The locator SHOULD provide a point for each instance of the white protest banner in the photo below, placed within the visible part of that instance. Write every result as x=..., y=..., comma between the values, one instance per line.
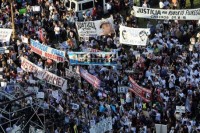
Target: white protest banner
x=5, y=35
x=42, y=74
x=95, y=28
x=48, y=52
x=122, y=89
x=180, y=109
x=152, y=13
x=102, y=126
x=133, y=36
x=70, y=74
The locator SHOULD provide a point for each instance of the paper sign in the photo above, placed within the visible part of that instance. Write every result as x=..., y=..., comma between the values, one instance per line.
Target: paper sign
x=180, y=109
x=40, y=95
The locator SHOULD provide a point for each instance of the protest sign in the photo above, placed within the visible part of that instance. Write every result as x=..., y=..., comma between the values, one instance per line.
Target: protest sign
x=152, y=13
x=70, y=74
x=36, y=8
x=5, y=35
x=144, y=93
x=122, y=89
x=40, y=95
x=42, y=74
x=93, y=58
x=95, y=28
x=48, y=52
x=134, y=36
x=102, y=126
x=22, y=11
x=93, y=80
x=24, y=39
x=180, y=109
x=160, y=128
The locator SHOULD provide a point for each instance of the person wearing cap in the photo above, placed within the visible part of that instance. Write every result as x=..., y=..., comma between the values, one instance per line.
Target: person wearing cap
x=106, y=28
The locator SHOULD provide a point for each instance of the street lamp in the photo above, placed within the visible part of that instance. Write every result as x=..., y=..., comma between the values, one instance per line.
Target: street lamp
x=12, y=16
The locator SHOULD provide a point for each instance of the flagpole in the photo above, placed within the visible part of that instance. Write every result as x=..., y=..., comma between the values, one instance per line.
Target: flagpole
x=12, y=18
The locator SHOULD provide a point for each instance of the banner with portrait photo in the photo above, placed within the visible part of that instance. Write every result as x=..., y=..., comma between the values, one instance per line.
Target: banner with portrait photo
x=95, y=28
x=93, y=80
x=168, y=14
x=48, y=52
x=5, y=35
x=93, y=58
x=134, y=36
x=143, y=93
x=42, y=74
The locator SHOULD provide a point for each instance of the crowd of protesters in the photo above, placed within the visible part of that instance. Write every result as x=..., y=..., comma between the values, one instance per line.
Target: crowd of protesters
x=168, y=66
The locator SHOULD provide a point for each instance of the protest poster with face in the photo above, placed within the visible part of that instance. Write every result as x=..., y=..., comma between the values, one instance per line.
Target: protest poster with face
x=134, y=36
x=102, y=27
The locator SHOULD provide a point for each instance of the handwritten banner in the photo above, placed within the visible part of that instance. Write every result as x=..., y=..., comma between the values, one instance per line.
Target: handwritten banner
x=5, y=35
x=93, y=80
x=95, y=28
x=152, y=13
x=93, y=58
x=42, y=74
x=48, y=52
x=144, y=93
x=134, y=36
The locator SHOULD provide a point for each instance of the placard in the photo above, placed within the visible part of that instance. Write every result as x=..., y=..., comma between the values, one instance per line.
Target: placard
x=134, y=36
x=122, y=89
x=40, y=95
x=102, y=126
x=180, y=109
x=169, y=14
x=5, y=35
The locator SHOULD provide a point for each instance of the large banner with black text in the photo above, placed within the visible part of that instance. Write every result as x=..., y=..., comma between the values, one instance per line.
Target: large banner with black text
x=42, y=74
x=153, y=13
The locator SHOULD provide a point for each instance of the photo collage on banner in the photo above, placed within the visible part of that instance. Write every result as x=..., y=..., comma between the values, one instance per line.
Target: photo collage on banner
x=134, y=36
x=152, y=13
x=48, y=52
x=102, y=27
x=42, y=74
x=143, y=93
x=93, y=58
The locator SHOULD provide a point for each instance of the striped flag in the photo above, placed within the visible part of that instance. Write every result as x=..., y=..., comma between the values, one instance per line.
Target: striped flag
x=93, y=80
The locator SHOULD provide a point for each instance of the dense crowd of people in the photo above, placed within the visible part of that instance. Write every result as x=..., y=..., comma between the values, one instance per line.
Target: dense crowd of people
x=168, y=66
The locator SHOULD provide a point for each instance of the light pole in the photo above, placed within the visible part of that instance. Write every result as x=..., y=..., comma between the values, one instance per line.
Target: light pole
x=12, y=16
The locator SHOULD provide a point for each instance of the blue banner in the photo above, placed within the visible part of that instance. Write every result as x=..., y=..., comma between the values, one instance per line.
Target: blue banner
x=93, y=58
